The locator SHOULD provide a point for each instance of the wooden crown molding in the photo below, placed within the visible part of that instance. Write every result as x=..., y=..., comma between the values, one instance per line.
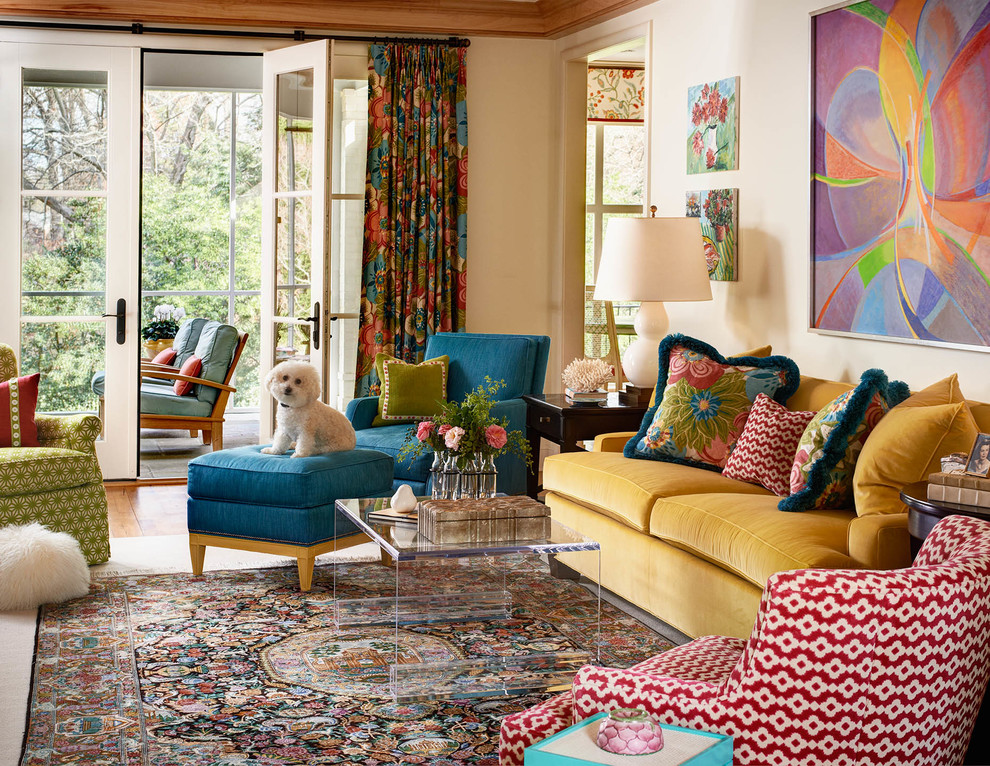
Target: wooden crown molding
x=542, y=18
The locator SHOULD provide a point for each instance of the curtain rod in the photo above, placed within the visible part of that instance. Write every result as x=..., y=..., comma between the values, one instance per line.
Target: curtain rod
x=297, y=34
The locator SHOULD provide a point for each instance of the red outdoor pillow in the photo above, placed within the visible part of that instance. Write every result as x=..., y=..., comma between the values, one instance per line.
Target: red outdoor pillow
x=18, y=400
x=165, y=356
x=192, y=368
x=765, y=451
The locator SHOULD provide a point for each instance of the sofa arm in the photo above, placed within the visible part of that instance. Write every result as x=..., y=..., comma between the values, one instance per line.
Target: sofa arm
x=613, y=442
x=880, y=541
x=361, y=412
x=75, y=432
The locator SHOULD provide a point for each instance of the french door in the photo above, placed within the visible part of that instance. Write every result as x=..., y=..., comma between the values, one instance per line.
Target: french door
x=69, y=212
x=313, y=164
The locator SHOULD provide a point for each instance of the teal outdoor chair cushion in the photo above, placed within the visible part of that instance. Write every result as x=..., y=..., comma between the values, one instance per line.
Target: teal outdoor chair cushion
x=162, y=400
x=216, y=348
x=186, y=339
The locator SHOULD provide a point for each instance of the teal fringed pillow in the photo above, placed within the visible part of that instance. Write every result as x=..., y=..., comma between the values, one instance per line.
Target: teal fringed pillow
x=703, y=400
x=822, y=474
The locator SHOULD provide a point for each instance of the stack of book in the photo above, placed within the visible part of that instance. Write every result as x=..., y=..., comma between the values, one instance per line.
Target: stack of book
x=392, y=516
x=586, y=397
x=959, y=487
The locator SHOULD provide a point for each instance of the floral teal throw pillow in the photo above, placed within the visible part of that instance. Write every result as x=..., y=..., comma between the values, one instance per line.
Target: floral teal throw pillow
x=704, y=400
x=822, y=474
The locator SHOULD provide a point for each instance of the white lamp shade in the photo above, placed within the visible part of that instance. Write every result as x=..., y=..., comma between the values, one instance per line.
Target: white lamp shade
x=653, y=259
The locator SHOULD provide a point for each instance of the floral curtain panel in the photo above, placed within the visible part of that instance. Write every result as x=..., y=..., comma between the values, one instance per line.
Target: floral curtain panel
x=415, y=234
x=615, y=94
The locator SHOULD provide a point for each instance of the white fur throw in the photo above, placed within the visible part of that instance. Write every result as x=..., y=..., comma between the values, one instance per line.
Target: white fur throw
x=38, y=566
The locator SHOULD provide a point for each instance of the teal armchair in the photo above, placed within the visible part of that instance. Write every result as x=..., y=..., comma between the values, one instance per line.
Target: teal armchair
x=219, y=346
x=519, y=360
x=58, y=484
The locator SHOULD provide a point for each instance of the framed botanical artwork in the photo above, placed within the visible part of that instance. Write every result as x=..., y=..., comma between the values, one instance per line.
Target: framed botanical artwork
x=978, y=463
x=713, y=126
x=718, y=210
x=900, y=200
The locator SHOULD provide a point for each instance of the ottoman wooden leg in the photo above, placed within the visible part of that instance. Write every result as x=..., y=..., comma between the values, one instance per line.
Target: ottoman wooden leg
x=197, y=553
x=305, y=565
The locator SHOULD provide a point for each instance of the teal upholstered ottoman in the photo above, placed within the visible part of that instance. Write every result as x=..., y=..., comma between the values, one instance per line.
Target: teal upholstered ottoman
x=243, y=499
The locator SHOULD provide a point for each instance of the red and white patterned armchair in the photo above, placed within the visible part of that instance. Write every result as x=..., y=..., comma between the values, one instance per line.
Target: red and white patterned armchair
x=843, y=667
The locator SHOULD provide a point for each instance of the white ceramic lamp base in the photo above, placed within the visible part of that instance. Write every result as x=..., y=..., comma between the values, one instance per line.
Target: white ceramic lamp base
x=639, y=362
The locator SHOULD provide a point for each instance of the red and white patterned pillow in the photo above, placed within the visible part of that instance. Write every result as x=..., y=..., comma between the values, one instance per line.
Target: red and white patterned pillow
x=765, y=451
x=18, y=400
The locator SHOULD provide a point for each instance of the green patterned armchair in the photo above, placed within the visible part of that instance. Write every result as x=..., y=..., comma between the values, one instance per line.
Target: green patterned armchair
x=58, y=484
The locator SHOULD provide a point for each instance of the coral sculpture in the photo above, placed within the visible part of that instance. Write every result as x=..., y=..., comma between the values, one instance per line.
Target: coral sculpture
x=587, y=374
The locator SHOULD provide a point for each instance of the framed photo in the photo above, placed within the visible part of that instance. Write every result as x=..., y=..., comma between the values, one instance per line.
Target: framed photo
x=979, y=457
x=899, y=251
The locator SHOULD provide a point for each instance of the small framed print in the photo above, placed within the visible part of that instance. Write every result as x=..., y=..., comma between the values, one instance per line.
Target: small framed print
x=979, y=457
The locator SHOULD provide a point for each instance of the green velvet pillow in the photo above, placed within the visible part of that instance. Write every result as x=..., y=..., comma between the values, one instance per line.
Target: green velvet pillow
x=410, y=392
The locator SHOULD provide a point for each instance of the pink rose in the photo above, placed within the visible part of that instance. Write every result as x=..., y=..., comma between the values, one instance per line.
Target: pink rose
x=424, y=429
x=495, y=436
x=453, y=437
x=442, y=430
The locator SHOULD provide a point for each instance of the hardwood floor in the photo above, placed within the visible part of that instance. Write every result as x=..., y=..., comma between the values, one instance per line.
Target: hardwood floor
x=142, y=510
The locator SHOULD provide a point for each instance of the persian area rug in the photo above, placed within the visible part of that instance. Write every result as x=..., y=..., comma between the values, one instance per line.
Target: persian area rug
x=242, y=669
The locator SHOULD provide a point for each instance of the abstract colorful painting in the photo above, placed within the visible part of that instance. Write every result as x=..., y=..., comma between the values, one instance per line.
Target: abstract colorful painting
x=713, y=126
x=901, y=163
x=718, y=210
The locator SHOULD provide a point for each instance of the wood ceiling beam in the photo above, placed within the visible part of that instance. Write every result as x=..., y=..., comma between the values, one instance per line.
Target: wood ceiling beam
x=542, y=18
x=566, y=16
x=440, y=17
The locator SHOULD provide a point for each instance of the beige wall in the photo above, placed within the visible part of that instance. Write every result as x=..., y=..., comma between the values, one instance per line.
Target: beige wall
x=510, y=160
x=765, y=43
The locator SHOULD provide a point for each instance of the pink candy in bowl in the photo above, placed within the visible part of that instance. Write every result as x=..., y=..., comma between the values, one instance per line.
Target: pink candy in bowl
x=630, y=732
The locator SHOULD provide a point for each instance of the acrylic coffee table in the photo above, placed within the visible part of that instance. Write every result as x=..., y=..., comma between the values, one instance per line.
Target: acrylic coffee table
x=411, y=677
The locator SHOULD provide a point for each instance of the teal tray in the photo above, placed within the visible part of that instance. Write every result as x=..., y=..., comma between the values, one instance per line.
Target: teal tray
x=576, y=745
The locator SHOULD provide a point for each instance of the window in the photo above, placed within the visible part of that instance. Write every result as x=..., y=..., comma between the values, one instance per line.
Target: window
x=615, y=185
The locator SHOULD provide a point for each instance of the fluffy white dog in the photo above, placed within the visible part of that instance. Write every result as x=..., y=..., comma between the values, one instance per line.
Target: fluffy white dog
x=301, y=418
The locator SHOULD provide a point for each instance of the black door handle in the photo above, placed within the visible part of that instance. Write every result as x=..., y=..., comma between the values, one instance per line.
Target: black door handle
x=121, y=320
x=315, y=319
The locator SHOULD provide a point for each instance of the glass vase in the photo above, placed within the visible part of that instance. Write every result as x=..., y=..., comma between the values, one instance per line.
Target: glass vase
x=437, y=475
x=489, y=476
x=451, y=478
x=470, y=477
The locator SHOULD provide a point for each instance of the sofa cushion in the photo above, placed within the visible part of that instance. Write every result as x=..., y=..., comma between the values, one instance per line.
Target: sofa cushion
x=826, y=455
x=626, y=490
x=25, y=470
x=474, y=357
x=747, y=535
x=18, y=400
x=704, y=401
x=162, y=400
x=186, y=339
x=765, y=451
x=391, y=440
x=410, y=392
x=216, y=346
x=905, y=447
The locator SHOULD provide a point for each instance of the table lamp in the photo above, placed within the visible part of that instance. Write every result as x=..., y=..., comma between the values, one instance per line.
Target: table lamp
x=651, y=260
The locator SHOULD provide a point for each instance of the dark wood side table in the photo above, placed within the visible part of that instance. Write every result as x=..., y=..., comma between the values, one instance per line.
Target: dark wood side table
x=553, y=417
x=923, y=514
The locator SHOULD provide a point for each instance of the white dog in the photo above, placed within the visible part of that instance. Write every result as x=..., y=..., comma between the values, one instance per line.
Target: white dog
x=301, y=418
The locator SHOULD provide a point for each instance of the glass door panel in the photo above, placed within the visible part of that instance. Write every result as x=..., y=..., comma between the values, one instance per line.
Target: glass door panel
x=348, y=171
x=294, y=225
x=67, y=200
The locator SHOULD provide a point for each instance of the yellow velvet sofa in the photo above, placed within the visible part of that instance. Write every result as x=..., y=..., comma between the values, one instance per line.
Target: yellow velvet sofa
x=695, y=548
